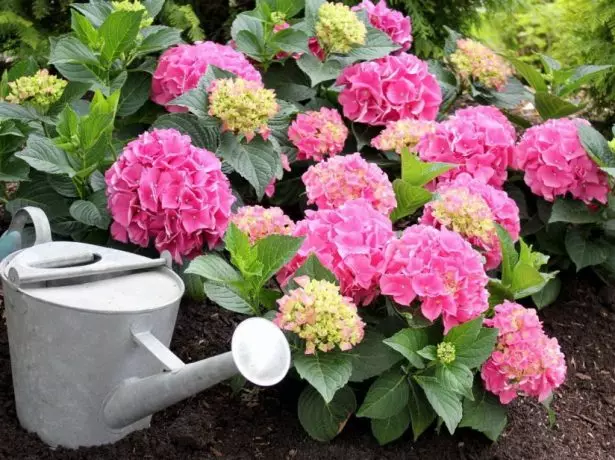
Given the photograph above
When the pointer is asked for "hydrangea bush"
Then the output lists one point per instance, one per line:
(308, 172)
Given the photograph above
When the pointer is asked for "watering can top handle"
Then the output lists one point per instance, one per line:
(39, 219)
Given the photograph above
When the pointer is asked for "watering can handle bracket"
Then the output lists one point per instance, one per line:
(39, 219)
(158, 350)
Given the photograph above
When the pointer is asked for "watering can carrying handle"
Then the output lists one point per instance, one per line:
(39, 219)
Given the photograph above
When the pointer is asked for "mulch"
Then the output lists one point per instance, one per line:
(259, 423)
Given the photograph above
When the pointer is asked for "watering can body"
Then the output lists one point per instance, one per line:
(89, 329)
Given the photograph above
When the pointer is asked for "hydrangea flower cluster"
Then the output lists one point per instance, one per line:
(389, 89)
(318, 133)
(180, 68)
(39, 90)
(338, 28)
(441, 269)
(258, 222)
(555, 163)
(525, 360)
(244, 106)
(163, 188)
(472, 208)
(127, 5)
(393, 23)
(333, 182)
(320, 315)
(316, 49)
(402, 134)
(475, 61)
(480, 140)
(350, 242)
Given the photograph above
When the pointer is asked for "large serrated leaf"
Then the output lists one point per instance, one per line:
(326, 372)
(323, 421)
(387, 396)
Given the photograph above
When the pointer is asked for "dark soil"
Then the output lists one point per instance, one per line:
(262, 424)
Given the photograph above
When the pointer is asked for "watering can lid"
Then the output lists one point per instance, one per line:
(93, 278)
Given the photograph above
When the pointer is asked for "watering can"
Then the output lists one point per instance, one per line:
(89, 329)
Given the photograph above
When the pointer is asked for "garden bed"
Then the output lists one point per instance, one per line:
(259, 423)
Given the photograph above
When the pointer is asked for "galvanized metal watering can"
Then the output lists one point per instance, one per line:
(89, 329)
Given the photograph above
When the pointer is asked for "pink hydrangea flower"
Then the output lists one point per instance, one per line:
(555, 163)
(180, 68)
(393, 23)
(525, 360)
(389, 89)
(270, 189)
(480, 140)
(440, 269)
(317, 134)
(472, 208)
(333, 182)
(163, 188)
(350, 242)
(258, 222)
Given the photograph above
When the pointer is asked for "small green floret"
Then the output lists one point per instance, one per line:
(39, 90)
(277, 17)
(127, 5)
(445, 352)
(612, 145)
(339, 28)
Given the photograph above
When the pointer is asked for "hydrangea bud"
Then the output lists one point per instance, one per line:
(402, 134)
(243, 106)
(127, 5)
(39, 90)
(338, 28)
(320, 315)
(475, 61)
(445, 352)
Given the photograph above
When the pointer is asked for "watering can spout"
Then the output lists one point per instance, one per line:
(260, 353)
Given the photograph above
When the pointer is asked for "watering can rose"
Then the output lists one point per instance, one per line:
(164, 189)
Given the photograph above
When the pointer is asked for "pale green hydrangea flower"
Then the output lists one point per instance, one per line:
(338, 28)
(127, 5)
(39, 90)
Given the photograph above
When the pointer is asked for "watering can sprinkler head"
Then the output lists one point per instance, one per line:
(260, 352)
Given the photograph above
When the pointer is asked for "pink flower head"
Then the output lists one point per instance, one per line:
(479, 139)
(349, 241)
(317, 134)
(333, 182)
(393, 23)
(389, 89)
(163, 188)
(258, 222)
(441, 269)
(180, 68)
(320, 315)
(555, 163)
(472, 208)
(525, 359)
(402, 134)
